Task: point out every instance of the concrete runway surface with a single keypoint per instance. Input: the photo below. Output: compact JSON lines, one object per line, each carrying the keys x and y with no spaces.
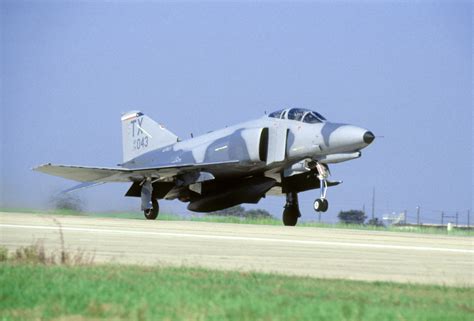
{"x":306,"y":251}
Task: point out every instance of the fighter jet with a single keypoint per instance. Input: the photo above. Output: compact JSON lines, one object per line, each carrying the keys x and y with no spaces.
{"x":283,"y":153}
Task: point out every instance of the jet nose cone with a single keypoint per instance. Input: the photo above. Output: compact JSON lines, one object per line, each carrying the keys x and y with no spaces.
{"x":368,"y":137}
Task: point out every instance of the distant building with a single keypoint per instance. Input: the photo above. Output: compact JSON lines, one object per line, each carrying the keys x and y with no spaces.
{"x":394,"y":218}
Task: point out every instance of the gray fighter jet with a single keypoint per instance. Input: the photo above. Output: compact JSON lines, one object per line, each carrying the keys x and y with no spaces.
{"x":284,"y":153}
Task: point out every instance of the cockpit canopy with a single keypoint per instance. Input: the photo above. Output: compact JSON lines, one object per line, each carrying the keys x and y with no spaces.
{"x":299,"y":114}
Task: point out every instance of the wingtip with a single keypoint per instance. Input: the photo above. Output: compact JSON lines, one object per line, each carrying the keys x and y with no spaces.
{"x":39,"y":167}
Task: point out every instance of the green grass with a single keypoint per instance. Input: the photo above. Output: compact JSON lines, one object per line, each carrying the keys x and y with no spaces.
{"x":39,"y":292}
{"x":238,"y":220}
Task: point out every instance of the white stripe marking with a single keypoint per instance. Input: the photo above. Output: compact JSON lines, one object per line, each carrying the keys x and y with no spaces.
{"x":146,"y":133}
{"x":243,"y":238}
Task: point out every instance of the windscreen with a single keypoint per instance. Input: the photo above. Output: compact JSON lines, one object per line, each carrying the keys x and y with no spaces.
{"x":276,"y":114}
{"x":296,"y":113}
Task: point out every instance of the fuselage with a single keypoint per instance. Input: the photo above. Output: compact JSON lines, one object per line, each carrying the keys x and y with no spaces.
{"x":250,"y":142}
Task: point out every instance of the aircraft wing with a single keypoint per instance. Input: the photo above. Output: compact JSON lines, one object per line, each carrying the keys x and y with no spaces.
{"x":118,"y":174}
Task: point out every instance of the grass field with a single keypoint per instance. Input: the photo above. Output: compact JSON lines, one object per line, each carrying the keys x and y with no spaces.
{"x":238,"y":220}
{"x":41,"y":292}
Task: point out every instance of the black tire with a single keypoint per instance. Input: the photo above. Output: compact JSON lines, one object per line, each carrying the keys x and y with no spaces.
{"x":321,"y":205}
{"x":318,"y":205}
{"x":152,"y":213}
{"x":290,"y":216}
{"x":325,"y":205}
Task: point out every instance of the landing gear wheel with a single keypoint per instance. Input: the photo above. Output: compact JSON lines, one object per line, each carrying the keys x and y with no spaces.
{"x":321,"y":205}
{"x":325,"y":205}
{"x":292,"y":209}
{"x":152,"y":213}
{"x":318,"y":205}
{"x":290,"y":216}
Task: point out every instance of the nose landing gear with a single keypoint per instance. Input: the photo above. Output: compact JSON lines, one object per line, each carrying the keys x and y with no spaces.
{"x":321,"y":204}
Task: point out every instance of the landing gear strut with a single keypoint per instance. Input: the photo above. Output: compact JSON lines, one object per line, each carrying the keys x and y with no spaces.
{"x":292,"y":211}
{"x":150,"y":205}
{"x":321,"y":204}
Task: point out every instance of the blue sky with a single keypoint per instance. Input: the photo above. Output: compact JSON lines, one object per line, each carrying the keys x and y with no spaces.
{"x":403,"y":70}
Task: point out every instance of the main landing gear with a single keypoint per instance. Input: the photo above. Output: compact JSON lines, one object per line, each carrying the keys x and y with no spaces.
{"x":150,"y":205}
{"x":292,"y":211}
{"x":152,"y":213}
{"x":321,"y":204}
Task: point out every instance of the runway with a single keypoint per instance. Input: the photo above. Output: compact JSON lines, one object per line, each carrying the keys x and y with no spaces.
{"x":305,"y":251}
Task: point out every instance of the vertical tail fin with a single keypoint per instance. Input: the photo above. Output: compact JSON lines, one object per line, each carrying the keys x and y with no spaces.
{"x":141,"y":134}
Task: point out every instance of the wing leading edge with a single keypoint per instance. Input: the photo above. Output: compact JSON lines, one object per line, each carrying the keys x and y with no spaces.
{"x":117,"y":174}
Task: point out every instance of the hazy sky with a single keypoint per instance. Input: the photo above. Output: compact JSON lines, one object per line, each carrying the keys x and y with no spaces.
{"x":403,"y":70}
